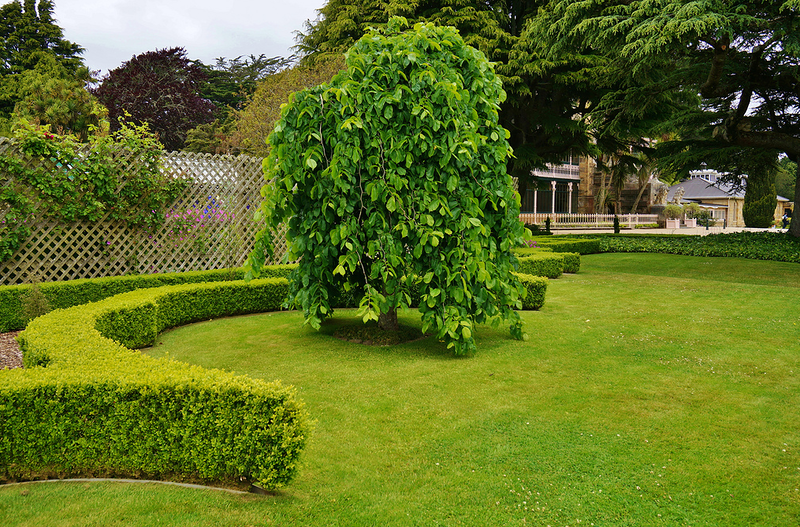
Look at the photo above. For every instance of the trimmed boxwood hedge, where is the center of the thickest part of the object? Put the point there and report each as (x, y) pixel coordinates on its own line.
(775, 246)
(536, 287)
(571, 261)
(550, 265)
(88, 405)
(76, 292)
(560, 244)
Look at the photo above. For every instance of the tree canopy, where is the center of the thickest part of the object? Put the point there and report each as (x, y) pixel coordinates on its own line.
(547, 99)
(28, 37)
(161, 88)
(728, 72)
(50, 96)
(257, 118)
(230, 82)
(28, 29)
(393, 176)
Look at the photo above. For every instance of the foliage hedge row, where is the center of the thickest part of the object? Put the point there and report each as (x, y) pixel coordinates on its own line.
(550, 265)
(541, 262)
(95, 407)
(76, 292)
(754, 245)
(560, 244)
(536, 287)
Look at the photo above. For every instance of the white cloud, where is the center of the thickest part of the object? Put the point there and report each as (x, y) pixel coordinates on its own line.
(113, 31)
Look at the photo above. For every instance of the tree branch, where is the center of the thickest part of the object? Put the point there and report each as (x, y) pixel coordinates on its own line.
(711, 87)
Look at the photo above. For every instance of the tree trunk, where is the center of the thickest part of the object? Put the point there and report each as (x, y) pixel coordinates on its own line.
(642, 186)
(794, 227)
(388, 321)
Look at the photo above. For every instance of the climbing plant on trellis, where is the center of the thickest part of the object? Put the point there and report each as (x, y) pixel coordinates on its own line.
(210, 226)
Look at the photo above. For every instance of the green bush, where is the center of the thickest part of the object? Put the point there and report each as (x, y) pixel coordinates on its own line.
(536, 287)
(95, 407)
(550, 265)
(570, 245)
(754, 245)
(673, 211)
(572, 262)
(70, 293)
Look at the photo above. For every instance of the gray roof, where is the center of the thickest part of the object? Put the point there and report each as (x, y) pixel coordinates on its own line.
(697, 188)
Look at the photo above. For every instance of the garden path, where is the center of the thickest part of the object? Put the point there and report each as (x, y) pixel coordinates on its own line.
(10, 354)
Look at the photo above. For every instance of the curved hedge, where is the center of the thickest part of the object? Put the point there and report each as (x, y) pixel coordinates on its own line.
(95, 407)
(76, 292)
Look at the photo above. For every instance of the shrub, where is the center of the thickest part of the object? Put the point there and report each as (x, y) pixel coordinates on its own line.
(34, 303)
(527, 251)
(98, 408)
(572, 262)
(570, 245)
(542, 264)
(775, 246)
(673, 211)
(691, 210)
(70, 293)
(536, 287)
(537, 230)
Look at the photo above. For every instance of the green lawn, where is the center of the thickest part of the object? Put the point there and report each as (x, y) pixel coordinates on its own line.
(654, 390)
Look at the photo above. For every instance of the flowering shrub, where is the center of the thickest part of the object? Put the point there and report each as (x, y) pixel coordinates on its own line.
(203, 226)
(531, 244)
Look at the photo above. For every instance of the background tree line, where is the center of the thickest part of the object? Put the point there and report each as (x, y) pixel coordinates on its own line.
(670, 83)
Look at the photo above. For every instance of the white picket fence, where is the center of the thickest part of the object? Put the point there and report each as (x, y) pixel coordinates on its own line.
(587, 221)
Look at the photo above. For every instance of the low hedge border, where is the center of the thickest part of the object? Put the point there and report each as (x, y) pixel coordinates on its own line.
(70, 293)
(773, 246)
(550, 265)
(536, 287)
(569, 245)
(571, 261)
(93, 407)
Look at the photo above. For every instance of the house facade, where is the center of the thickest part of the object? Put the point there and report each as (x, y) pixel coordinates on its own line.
(724, 202)
(578, 186)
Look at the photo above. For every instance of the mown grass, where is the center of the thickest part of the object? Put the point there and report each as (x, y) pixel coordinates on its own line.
(655, 390)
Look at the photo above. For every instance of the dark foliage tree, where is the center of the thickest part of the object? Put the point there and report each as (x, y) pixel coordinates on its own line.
(760, 198)
(161, 88)
(785, 180)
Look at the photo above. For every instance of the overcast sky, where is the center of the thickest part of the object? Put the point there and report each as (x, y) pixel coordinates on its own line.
(113, 31)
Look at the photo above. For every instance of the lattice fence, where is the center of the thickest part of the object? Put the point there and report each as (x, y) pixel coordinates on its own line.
(210, 226)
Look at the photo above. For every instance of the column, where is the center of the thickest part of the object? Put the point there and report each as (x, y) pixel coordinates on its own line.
(553, 207)
(569, 203)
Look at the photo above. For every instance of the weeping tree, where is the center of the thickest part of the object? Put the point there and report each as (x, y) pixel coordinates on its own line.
(393, 177)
